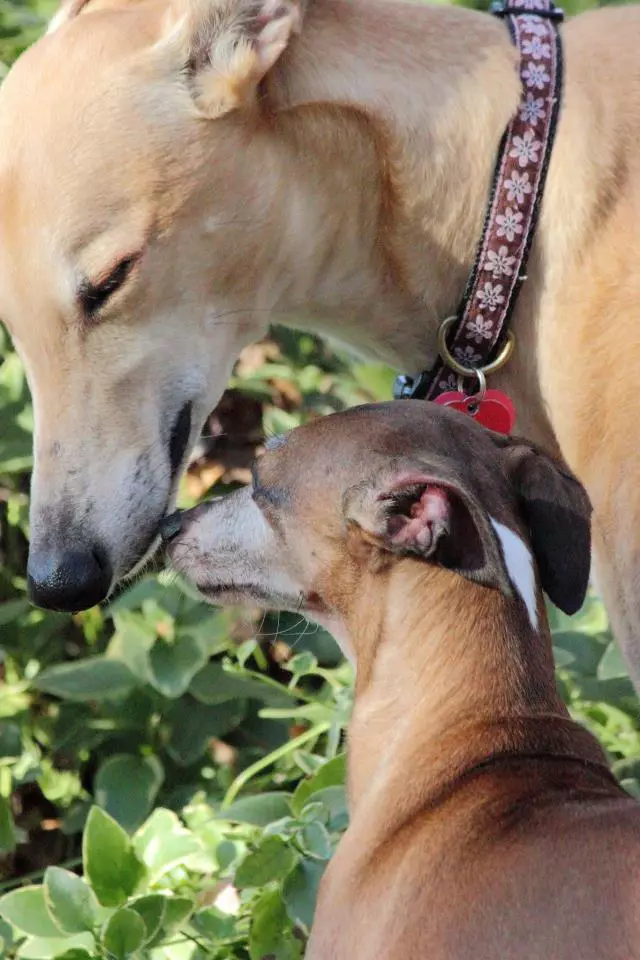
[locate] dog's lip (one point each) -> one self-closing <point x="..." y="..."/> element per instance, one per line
<point x="232" y="589"/>
<point x="179" y="437"/>
<point x="246" y="593"/>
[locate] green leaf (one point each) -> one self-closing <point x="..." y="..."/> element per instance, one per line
<point x="76" y="953"/>
<point x="123" y="933"/>
<point x="152" y="910"/>
<point x="331" y="774"/>
<point x="126" y="787"/>
<point x="132" y="641"/>
<point x="176" y="913"/>
<point x="259" y="810"/>
<point x="585" y="650"/>
<point x="162" y="843"/>
<point x="174" y="665"/>
<point x="96" y="678"/>
<point x="110" y="863"/>
<point x="13" y="609"/>
<point x="270" y="933"/>
<point x="6" y="936"/>
<point x="563" y="658"/>
<point x="133" y="598"/>
<point x="214" y="924"/>
<point x="300" y="891"/>
<point x="591" y="619"/>
<point x="7" y="826"/>
<point x="627" y="767"/>
<point x="272" y="860"/>
<point x="334" y="799"/>
<point x="315" y="841"/>
<point x="177" y="910"/>
<point x="70" y="901"/>
<point x="214" y="685"/>
<point x="302" y="663"/>
<point x="193" y="724"/>
<point x="376" y="378"/>
<point x="45" y="948"/>
<point x="10" y="740"/>
<point x="26" y="909"/>
<point x="612" y="665"/>
<point x="226" y="853"/>
<point x="632" y="787"/>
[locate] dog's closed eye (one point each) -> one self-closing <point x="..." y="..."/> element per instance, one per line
<point x="93" y="296"/>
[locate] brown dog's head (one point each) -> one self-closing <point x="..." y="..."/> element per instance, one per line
<point x="336" y="505"/>
<point x="136" y="193"/>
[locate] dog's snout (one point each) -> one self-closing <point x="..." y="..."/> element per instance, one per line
<point x="69" y="578"/>
<point x="171" y="526"/>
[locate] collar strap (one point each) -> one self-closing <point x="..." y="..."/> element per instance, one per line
<point x="481" y="326"/>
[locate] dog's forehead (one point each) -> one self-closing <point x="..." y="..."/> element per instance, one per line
<point x="344" y="447"/>
<point x="77" y="100"/>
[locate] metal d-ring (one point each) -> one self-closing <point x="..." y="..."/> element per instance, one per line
<point x="474" y="399"/>
<point x="460" y="368"/>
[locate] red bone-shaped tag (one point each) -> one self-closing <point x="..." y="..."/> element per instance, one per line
<point x="495" y="410"/>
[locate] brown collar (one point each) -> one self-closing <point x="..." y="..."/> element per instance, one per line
<point x="477" y="337"/>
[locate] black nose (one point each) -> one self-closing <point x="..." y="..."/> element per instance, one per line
<point x="68" y="578"/>
<point x="171" y="526"/>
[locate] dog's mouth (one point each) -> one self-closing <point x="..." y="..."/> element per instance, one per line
<point x="234" y="592"/>
<point x="179" y="439"/>
<point x="246" y="595"/>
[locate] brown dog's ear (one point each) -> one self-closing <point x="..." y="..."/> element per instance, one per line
<point x="557" y="511"/>
<point x="228" y="46"/>
<point x="424" y="511"/>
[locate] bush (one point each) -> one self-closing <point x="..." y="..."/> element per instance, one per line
<point x="171" y="775"/>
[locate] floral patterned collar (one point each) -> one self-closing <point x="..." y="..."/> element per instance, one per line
<point x="479" y="332"/>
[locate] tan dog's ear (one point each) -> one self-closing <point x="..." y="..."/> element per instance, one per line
<point x="420" y="510"/>
<point x="557" y="511"/>
<point x="70" y="9"/>
<point x="228" y="46"/>
<point x="67" y="10"/>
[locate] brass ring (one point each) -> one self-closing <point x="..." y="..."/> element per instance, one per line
<point x="460" y="368"/>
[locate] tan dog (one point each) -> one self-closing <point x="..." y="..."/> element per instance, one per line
<point x="174" y="174"/>
<point x="488" y="826"/>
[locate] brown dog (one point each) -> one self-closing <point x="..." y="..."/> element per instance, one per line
<point x="489" y="827"/>
<point x="174" y="174"/>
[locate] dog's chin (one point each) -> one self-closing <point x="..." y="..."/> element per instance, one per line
<point x="249" y="595"/>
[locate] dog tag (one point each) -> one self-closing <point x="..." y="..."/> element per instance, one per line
<point x="495" y="410"/>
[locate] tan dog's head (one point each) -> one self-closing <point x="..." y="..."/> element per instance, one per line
<point x="132" y="163"/>
<point x="338" y="505"/>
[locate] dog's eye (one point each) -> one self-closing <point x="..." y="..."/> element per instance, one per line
<point x="94" y="296"/>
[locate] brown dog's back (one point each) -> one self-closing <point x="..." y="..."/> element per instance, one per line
<point x="516" y="869"/>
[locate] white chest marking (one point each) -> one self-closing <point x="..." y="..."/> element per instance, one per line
<point x="519" y="564"/>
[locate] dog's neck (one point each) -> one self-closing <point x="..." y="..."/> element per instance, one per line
<point x="448" y="673"/>
<point x="387" y="172"/>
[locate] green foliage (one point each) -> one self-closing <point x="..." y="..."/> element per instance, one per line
<point x="171" y="777"/>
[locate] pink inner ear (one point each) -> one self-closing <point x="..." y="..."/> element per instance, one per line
<point x="427" y="521"/>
